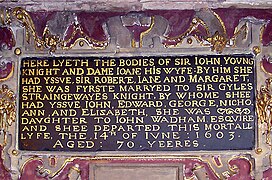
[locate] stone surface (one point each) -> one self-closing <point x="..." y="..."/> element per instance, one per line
<point x="98" y="166"/>
<point x="132" y="5"/>
<point x="136" y="173"/>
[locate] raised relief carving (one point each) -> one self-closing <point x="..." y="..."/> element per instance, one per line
<point x="138" y="25"/>
<point x="266" y="65"/>
<point x="243" y="35"/>
<point x="217" y="35"/>
<point x="264" y="108"/>
<point x="120" y="35"/>
<point x="7" y="40"/>
<point x="193" y="167"/>
<point x="7" y="117"/>
<point x="6" y="68"/>
<point x="156" y="34"/>
<point x="156" y="27"/>
<point x="7" y="111"/>
<point x="78" y="31"/>
<point x="134" y="30"/>
<point x="138" y="29"/>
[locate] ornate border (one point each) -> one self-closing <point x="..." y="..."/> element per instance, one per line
<point x="197" y="34"/>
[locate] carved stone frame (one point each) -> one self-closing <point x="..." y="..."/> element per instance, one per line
<point x="246" y="40"/>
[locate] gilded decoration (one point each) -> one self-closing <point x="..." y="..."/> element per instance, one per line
<point x="217" y="36"/>
<point x="52" y="41"/>
<point x="7" y="111"/>
<point x="195" y="167"/>
<point x="7" y="39"/>
<point x="6" y="68"/>
<point x="264" y="111"/>
<point x="77" y="34"/>
<point x="99" y="35"/>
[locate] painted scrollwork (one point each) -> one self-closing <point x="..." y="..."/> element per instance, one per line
<point x="53" y="41"/>
<point x="139" y="25"/>
<point x="228" y="111"/>
<point x="206" y="27"/>
<point x="207" y="34"/>
<point x="216" y="36"/>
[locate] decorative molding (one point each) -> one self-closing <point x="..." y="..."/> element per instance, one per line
<point x="194" y="167"/>
<point x="75" y="34"/>
<point x="213" y="35"/>
<point x="92" y="29"/>
<point x="178" y="29"/>
<point x="7" y="117"/>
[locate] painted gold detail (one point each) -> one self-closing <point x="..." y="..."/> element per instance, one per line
<point x="270" y="160"/>
<point x="27" y="161"/>
<point x="75" y="168"/>
<point x="218" y="42"/>
<point x="256" y="50"/>
<point x="81" y="43"/>
<point x="264" y="108"/>
<point x="5" y="20"/>
<point x="7" y="110"/>
<point x="10" y="74"/>
<point x="220" y="162"/>
<point x="18" y="51"/>
<point x="8" y="16"/>
<point x="189" y="41"/>
<point x="49" y="40"/>
<point x="261" y="33"/>
<point x="234" y="168"/>
<point x="5" y="16"/>
<point x="195" y="22"/>
<point x="237" y="32"/>
<point x="221" y="21"/>
<point x="2" y="17"/>
<point x="90" y="41"/>
<point x="263" y="68"/>
<point x="258" y="150"/>
<point x="27" y="22"/>
<point x="41" y="171"/>
<point x="15" y="152"/>
<point x="147" y="31"/>
<point x="52" y="158"/>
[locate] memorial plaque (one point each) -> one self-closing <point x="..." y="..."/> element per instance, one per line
<point x="140" y="103"/>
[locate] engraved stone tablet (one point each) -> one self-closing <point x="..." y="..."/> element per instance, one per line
<point x="149" y="103"/>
